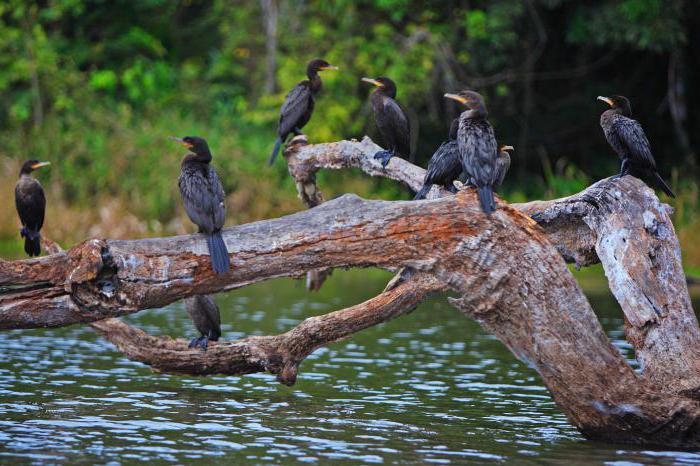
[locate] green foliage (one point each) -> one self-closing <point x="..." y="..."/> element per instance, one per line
<point x="96" y="87"/>
<point x="642" y="24"/>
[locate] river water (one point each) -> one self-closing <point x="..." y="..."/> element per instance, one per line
<point x="428" y="388"/>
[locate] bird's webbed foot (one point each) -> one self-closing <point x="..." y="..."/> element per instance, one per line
<point x="459" y="186"/>
<point x="384" y="156"/>
<point x="201" y="342"/>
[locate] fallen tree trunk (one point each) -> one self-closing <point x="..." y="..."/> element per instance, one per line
<point x="620" y="223"/>
<point x="506" y="269"/>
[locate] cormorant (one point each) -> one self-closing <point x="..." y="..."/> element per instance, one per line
<point x="391" y="120"/>
<point x="203" y="198"/>
<point x="502" y="164"/>
<point x="206" y="318"/>
<point x="444" y="166"/>
<point x="628" y="140"/>
<point x="477" y="147"/>
<point x="299" y="104"/>
<point x="31" y="205"/>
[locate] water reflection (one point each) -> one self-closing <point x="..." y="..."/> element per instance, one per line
<point x="429" y="388"/>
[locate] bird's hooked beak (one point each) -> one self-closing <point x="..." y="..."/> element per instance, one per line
<point x="329" y="68"/>
<point x="607" y="100"/>
<point x="181" y="141"/>
<point x="507" y="149"/>
<point x="372" y="81"/>
<point x="456" y="97"/>
<point x="40" y="164"/>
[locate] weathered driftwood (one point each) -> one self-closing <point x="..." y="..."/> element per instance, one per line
<point x="620" y="223"/>
<point x="279" y="354"/>
<point x="505" y="269"/>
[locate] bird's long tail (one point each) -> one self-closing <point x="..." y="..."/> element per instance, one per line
<point x="662" y="185"/>
<point x="423" y="192"/>
<point x="488" y="204"/>
<point x="275" y="150"/>
<point x="220" y="262"/>
<point x="32" y="242"/>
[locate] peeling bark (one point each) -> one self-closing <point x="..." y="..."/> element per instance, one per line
<point x="507" y="269"/>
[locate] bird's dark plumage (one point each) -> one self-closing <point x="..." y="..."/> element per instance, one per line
<point x="203" y="198"/>
<point x="477" y="147"/>
<point x="626" y="136"/>
<point x="31" y="206"/>
<point x="206" y="318"/>
<point x="298" y="106"/>
<point x="502" y="165"/>
<point x="391" y="120"/>
<point x="444" y="166"/>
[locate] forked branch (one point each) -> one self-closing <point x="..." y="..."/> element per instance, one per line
<point x="507" y="271"/>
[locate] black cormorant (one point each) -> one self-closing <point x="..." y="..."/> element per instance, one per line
<point x="477" y="146"/>
<point x="31" y="205"/>
<point x="206" y="318"/>
<point x="203" y="198"/>
<point x="299" y="104"/>
<point x="502" y="164"/>
<point x="628" y="140"/>
<point x="391" y="120"/>
<point x="444" y="166"/>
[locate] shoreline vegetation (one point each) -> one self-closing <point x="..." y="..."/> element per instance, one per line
<point x="97" y="89"/>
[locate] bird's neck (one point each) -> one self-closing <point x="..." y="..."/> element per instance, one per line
<point x="315" y="82"/>
<point x="381" y="91"/>
<point x="611" y="113"/>
<point x="478" y="113"/>
<point x="200" y="159"/>
<point x="25" y="174"/>
<point x="622" y="111"/>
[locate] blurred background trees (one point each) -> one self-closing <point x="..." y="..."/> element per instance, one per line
<point x="96" y="87"/>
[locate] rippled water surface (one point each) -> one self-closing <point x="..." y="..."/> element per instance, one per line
<point x="428" y="388"/>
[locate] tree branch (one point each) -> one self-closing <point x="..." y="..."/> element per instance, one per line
<point x="279" y="354"/>
<point x="504" y="267"/>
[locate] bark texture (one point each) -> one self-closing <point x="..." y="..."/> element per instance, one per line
<point x="507" y="270"/>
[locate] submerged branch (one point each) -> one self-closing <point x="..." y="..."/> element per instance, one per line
<point x="279" y="354"/>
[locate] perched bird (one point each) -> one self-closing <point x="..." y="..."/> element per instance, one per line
<point x="206" y="318"/>
<point x="628" y="140"/>
<point x="477" y="147"/>
<point x="31" y="205"/>
<point x="391" y="120"/>
<point x="299" y="104"/>
<point x="203" y="197"/>
<point x="444" y="166"/>
<point x="502" y="164"/>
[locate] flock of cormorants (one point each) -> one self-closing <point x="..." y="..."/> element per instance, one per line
<point x="471" y="152"/>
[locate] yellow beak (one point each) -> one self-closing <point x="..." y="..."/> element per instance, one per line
<point x="181" y="141"/>
<point x="372" y="81"/>
<point x="329" y="68"/>
<point x="606" y="100"/>
<point x="456" y="97"/>
<point x="40" y="164"/>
